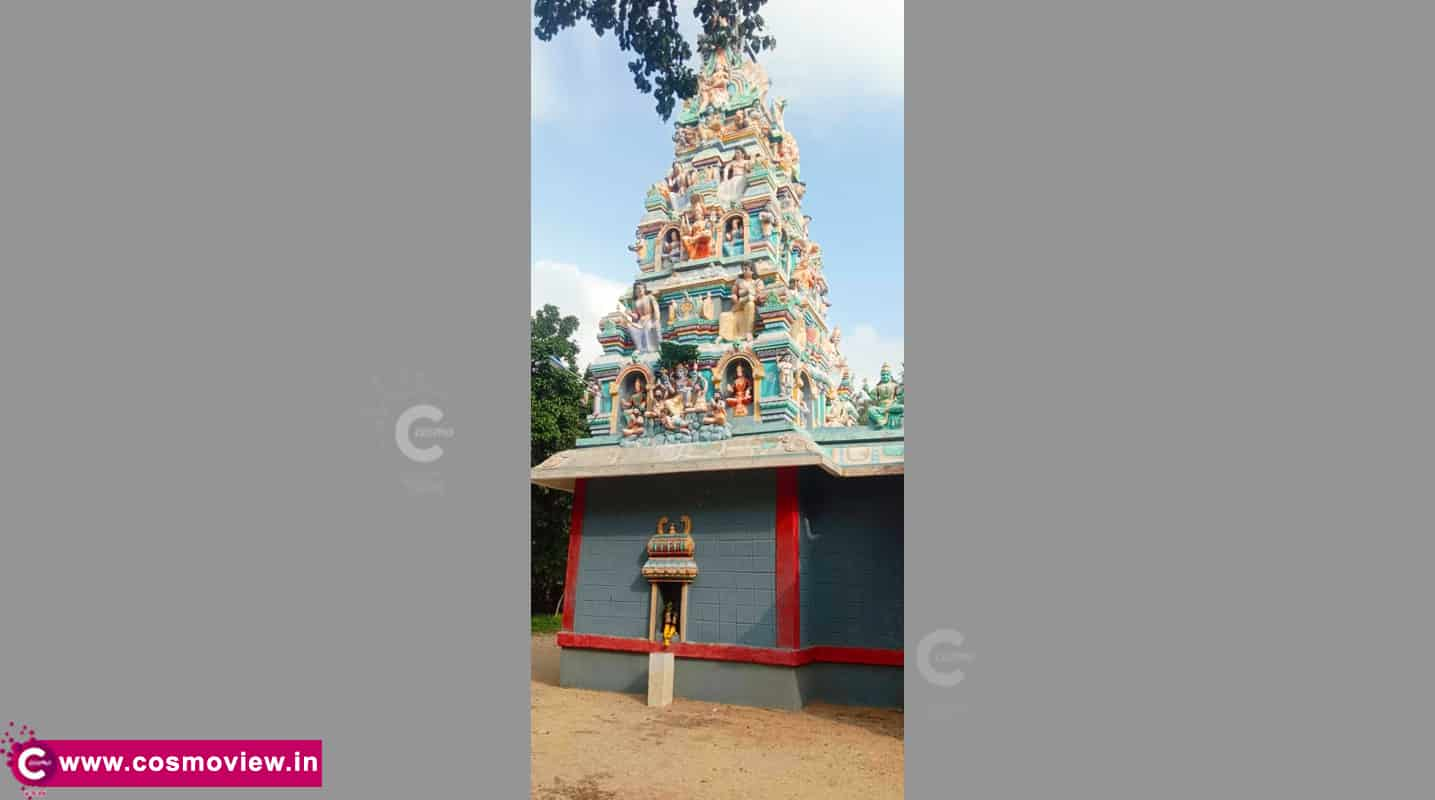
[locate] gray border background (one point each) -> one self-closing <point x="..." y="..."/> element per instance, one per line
<point x="235" y="236"/>
<point x="1176" y="387"/>
<point x="1168" y="318"/>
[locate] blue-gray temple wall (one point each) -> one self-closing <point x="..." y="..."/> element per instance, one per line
<point x="850" y="560"/>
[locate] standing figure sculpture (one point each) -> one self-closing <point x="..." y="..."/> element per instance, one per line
<point x="738" y="324"/>
<point x="670" y="624"/>
<point x="594" y="395"/>
<point x="643" y="320"/>
<point x="884" y="409"/>
<point x="739" y="393"/>
<point x="787" y="375"/>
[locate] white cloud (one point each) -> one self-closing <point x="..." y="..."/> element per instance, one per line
<point x="836" y="49"/>
<point x="574" y="78"/>
<point x="830" y="50"/>
<point x="867" y="349"/>
<point x="584" y="295"/>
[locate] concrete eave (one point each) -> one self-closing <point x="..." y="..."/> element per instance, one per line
<point x="744" y="452"/>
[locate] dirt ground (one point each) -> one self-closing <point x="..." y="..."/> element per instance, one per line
<point x="609" y="746"/>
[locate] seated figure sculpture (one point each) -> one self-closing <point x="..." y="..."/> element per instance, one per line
<point x="740" y="393"/>
<point x="884" y="410"/>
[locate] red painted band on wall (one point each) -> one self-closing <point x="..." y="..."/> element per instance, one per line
<point x="733" y="652"/>
<point x="788" y="600"/>
<point x="575" y="547"/>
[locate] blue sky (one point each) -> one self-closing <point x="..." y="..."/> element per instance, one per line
<point x="598" y="145"/>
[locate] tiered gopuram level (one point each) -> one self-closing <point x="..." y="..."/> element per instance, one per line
<point x="720" y="363"/>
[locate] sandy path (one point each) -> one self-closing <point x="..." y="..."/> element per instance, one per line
<point x="607" y="746"/>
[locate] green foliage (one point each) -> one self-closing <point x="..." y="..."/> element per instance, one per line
<point x="556" y="420"/>
<point x="649" y="29"/>
<point x="672" y="354"/>
<point x="545" y="623"/>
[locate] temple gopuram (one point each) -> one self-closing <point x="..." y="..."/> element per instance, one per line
<point x="736" y="502"/>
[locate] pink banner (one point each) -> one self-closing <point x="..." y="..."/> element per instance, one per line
<point x="161" y="763"/>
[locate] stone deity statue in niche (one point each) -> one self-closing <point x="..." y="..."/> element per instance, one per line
<point x="739" y="395"/>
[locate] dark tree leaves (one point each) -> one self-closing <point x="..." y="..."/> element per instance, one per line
<point x="557" y="416"/>
<point x="649" y="30"/>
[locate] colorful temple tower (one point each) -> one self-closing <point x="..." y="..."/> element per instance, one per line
<point x="722" y="398"/>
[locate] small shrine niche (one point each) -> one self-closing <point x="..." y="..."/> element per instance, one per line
<point x="740" y="381"/>
<point x="669" y="569"/>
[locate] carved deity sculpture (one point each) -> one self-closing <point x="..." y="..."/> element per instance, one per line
<point x="672" y="248"/>
<point x="707" y="310"/>
<point x="737" y="325"/>
<point x="739" y="393"/>
<point x="787" y="375"/>
<point x="884" y="410"/>
<point x="643" y="320"/>
<point x="834" y="348"/>
<point x="697" y="236"/>
<point x="739" y="166"/>
<point x="593" y="394"/>
<point x="640" y="249"/>
<point x="710" y="128"/>
<point x="635" y="410"/>
<point x="670" y="624"/>
<point x="732" y="237"/>
<point x="716" y="416"/>
<point x="712" y="90"/>
<point x="840" y="413"/>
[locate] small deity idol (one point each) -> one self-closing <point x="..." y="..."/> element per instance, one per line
<point x="740" y="393"/>
<point x="670" y="624"/>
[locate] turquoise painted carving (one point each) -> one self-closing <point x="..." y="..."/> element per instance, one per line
<point x="726" y="263"/>
<point x="884" y="410"/>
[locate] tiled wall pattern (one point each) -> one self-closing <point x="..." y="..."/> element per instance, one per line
<point x="734" y="514"/>
<point x="850" y="560"/>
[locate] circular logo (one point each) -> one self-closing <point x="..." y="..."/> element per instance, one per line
<point x="34" y="763"/>
<point x="404" y="433"/>
<point x="936" y="667"/>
